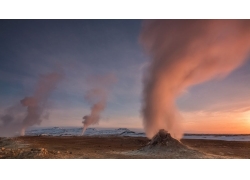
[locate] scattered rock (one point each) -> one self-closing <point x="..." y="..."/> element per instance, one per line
<point x="2" y="148"/>
<point x="37" y="149"/>
<point x="58" y="152"/>
<point x="53" y="152"/>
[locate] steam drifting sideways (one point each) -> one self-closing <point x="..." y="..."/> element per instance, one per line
<point x="97" y="97"/>
<point x="15" y="120"/>
<point x="184" y="53"/>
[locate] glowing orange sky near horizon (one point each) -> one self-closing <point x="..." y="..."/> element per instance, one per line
<point x="228" y="122"/>
<point x="217" y="123"/>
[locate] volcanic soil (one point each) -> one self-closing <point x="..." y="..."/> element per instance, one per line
<point x="47" y="147"/>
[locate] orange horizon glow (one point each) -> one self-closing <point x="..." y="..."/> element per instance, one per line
<point x="192" y="122"/>
<point x="217" y="123"/>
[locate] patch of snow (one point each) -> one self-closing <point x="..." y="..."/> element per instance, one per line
<point x="76" y="131"/>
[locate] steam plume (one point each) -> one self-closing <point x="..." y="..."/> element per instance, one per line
<point x="13" y="119"/>
<point x="97" y="97"/>
<point x="184" y="53"/>
<point x="36" y="104"/>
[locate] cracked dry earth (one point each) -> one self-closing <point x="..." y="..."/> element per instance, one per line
<point x="112" y="147"/>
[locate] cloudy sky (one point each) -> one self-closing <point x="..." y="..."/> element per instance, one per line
<point x="86" y="48"/>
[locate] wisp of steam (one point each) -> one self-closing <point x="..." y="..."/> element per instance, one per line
<point x="97" y="96"/>
<point x="14" y="120"/>
<point x="184" y="53"/>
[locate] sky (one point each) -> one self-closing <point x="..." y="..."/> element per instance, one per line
<point x="86" y="48"/>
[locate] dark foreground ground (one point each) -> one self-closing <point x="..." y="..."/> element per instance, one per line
<point x="115" y="147"/>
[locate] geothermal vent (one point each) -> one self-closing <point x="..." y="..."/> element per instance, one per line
<point x="164" y="139"/>
<point x="164" y="146"/>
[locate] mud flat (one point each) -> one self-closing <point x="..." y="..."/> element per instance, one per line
<point x="113" y="147"/>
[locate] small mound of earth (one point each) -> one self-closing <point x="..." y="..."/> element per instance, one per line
<point x="163" y="145"/>
<point x="164" y="139"/>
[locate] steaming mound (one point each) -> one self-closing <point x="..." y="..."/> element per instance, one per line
<point x="163" y="138"/>
<point x="163" y="145"/>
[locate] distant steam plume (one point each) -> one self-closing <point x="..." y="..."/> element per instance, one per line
<point x="184" y="53"/>
<point x="36" y="104"/>
<point x="97" y="97"/>
<point x="14" y="119"/>
<point x="11" y="120"/>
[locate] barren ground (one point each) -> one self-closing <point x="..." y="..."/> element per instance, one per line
<point x="76" y="147"/>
